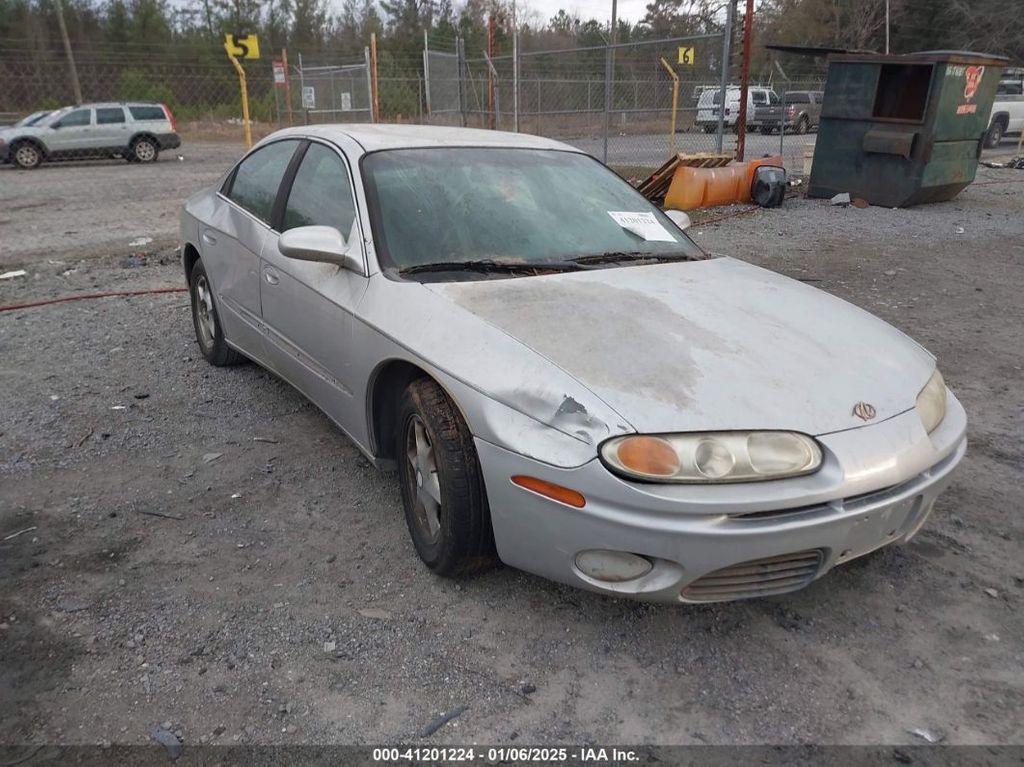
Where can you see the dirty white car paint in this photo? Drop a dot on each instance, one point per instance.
(549, 371)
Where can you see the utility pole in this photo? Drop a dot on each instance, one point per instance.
(886, 27)
(730, 22)
(76, 87)
(492, 116)
(609, 76)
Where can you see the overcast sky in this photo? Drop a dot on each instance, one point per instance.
(632, 10)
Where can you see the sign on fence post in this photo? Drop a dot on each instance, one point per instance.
(308, 97)
(686, 56)
(279, 76)
(242, 47)
(346, 101)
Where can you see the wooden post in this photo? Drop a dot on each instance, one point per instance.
(287, 84)
(375, 85)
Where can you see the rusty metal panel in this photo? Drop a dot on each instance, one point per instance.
(889, 141)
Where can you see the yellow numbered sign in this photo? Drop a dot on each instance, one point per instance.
(686, 55)
(247, 47)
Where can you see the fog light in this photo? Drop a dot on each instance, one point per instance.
(612, 566)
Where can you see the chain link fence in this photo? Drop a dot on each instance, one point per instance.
(631, 105)
(327, 93)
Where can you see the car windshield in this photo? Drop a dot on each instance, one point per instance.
(32, 119)
(52, 117)
(518, 206)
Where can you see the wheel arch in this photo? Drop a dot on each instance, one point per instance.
(1000, 117)
(385, 388)
(34, 141)
(189, 256)
(144, 134)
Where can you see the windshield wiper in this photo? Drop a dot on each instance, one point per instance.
(485, 265)
(616, 255)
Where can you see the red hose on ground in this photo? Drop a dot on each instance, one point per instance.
(85, 296)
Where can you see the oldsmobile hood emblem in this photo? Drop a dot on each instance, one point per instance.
(864, 411)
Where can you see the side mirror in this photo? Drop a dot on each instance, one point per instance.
(323, 244)
(679, 218)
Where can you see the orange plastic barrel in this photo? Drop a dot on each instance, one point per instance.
(706, 187)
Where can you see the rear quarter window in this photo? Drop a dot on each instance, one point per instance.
(147, 113)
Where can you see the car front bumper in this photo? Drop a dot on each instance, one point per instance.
(877, 486)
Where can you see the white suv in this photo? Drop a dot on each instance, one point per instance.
(710, 100)
(136, 131)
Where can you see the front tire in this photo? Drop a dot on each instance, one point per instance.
(802, 126)
(205, 320)
(27, 155)
(442, 487)
(143, 150)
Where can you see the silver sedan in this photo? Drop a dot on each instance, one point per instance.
(563, 380)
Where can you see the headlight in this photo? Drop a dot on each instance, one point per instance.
(728, 456)
(931, 402)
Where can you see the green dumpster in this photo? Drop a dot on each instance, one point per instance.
(903, 130)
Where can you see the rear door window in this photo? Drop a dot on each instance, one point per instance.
(258, 177)
(143, 113)
(109, 115)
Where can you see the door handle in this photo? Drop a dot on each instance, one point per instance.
(209, 239)
(271, 276)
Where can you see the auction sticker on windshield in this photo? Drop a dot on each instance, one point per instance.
(643, 225)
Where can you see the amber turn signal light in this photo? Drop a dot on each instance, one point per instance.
(551, 490)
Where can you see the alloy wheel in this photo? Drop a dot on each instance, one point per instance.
(27, 156)
(205, 321)
(424, 485)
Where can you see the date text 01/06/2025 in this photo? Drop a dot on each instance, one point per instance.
(493, 754)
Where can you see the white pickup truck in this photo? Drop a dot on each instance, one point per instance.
(1008, 109)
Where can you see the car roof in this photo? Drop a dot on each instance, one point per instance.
(105, 104)
(376, 137)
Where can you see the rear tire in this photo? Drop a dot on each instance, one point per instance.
(995, 134)
(143, 150)
(26, 155)
(205, 320)
(802, 125)
(442, 486)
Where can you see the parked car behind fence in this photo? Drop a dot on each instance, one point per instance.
(136, 131)
(798, 111)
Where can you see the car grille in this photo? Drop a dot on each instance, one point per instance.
(756, 578)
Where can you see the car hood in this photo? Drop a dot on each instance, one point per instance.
(11, 131)
(716, 344)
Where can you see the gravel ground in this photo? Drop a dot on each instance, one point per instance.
(206, 553)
